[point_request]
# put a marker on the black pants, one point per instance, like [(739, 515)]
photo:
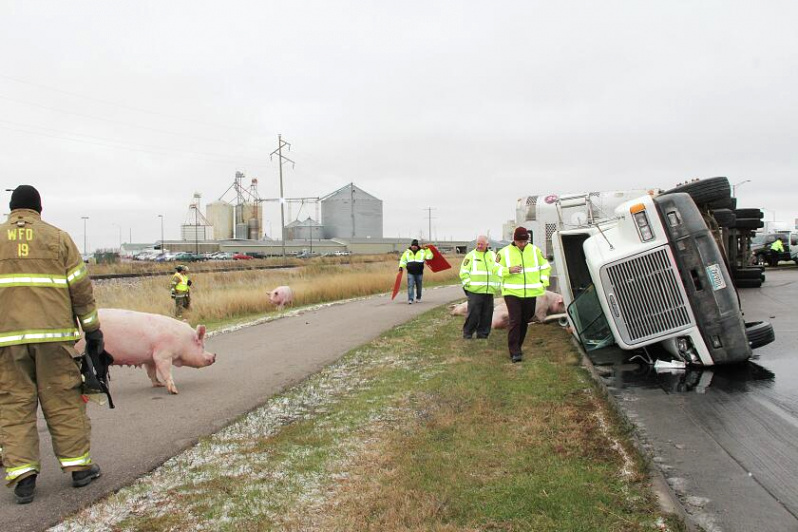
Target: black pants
[(521, 310), (480, 315)]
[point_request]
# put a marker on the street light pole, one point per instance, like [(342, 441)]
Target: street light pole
[(734, 187), (85, 248), (161, 217)]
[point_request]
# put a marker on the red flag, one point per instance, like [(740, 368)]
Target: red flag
[(397, 284), (437, 263)]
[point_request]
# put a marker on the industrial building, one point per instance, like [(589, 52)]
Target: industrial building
[(351, 212)]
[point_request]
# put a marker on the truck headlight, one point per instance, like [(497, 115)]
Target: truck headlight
[(638, 211)]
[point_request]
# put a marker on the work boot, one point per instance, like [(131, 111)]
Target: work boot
[(85, 477), (24, 489), (517, 358)]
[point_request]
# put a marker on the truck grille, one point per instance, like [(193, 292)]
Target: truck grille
[(645, 296)]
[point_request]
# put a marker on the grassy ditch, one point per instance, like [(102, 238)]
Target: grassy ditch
[(219, 297), (418, 430)]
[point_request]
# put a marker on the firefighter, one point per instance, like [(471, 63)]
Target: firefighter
[(181, 289), (413, 259), (525, 275), (480, 280), (46, 291)]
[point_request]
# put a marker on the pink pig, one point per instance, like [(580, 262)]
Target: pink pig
[(501, 316), (281, 296), (461, 309), (547, 304), (157, 342)]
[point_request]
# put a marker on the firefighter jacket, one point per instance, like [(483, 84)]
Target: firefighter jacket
[(414, 262), (534, 277), (180, 283), (44, 284), (777, 246), (479, 272)]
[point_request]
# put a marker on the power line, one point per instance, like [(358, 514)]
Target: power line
[(111, 120), (123, 106), (62, 135)]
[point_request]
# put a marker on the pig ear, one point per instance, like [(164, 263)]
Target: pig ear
[(559, 299), (200, 332)]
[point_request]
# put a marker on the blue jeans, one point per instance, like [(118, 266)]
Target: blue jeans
[(414, 279)]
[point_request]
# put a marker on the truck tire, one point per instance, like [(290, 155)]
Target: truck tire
[(759, 333), (747, 223), (748, 283), (724, 217), (749, 213), (747, 273), (713, 192)]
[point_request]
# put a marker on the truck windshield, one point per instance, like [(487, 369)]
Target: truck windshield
[(591, 323)]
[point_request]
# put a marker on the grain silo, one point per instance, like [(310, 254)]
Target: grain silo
[(220, 215), (252, 217), (351, 212)]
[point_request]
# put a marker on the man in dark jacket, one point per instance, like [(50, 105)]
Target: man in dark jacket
[(413, 259)]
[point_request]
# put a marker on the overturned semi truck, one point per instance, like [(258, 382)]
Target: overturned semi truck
[(649, 276)]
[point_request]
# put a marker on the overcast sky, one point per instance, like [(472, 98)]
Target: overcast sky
[(120, 111)]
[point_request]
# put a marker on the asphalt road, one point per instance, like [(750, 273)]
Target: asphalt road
[(726, 439), (149, 426)]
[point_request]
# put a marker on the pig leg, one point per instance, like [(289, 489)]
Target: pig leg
[(153, 376), (163, 367)]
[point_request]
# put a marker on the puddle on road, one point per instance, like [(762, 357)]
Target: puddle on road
[(618, 372)]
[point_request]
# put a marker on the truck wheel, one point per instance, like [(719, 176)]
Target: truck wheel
[(749, 213), (747, 273), (724, 217), (707, 191), (759, 259), (759, 333), (747, 223), (748, 283)]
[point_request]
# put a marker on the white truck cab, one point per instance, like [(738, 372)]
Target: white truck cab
[(651, 276)]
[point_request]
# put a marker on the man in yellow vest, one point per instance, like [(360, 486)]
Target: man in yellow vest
[(480, 280), (525, 275), (45, 291), (776, 249), (181, 289), (413, 259)]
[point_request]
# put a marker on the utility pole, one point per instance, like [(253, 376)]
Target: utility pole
[(280, 158), (161, 217), (85, 249), (429, 220)]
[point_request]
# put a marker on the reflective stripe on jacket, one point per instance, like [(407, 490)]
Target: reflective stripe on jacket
[(414, 262), (479, 272), (533, 279), (180, 283), (44, 285)]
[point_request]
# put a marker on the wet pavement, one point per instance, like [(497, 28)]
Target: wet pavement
[(726, 438)]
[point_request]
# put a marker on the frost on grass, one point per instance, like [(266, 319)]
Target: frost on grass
[(236, 476)]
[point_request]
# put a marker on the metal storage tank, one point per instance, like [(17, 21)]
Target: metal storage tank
[(351, 212), (252, 217), (254, 230), (220, 215)]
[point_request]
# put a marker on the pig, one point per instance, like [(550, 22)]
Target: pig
[(281, 296), (547, 304), (501, 317), (461, 309), (157, 342)]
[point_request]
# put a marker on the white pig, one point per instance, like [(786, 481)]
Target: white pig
[(501, 317), (547, 304), (281, 296), (157, 342), (461, 309)]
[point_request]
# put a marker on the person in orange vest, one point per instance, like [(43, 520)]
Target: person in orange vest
[(46, 292)]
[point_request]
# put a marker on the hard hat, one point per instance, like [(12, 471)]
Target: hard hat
[(182, 268)]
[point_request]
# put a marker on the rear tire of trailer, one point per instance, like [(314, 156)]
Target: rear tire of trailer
[(747, 223), (759, 333), (749, 213), (715, 190), (724, 217), (748, 283)]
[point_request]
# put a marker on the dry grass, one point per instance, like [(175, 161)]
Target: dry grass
[(221, 296)]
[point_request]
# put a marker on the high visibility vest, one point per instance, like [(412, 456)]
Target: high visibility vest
[(44, 284), (777, 246), (414, 262), (534, 277), (180, 283), (479, 272)]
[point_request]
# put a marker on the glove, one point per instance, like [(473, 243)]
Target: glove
[(400, 268), (95, 365), (189, 282), (95, 344)]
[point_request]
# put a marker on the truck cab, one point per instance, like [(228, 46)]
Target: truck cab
[(651, 277)]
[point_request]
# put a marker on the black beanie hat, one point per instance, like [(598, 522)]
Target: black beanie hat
[(414, 242), (25, 197)]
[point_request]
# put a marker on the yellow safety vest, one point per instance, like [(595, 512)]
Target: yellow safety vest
[(479, 272), (533, 279), (180, 283)]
